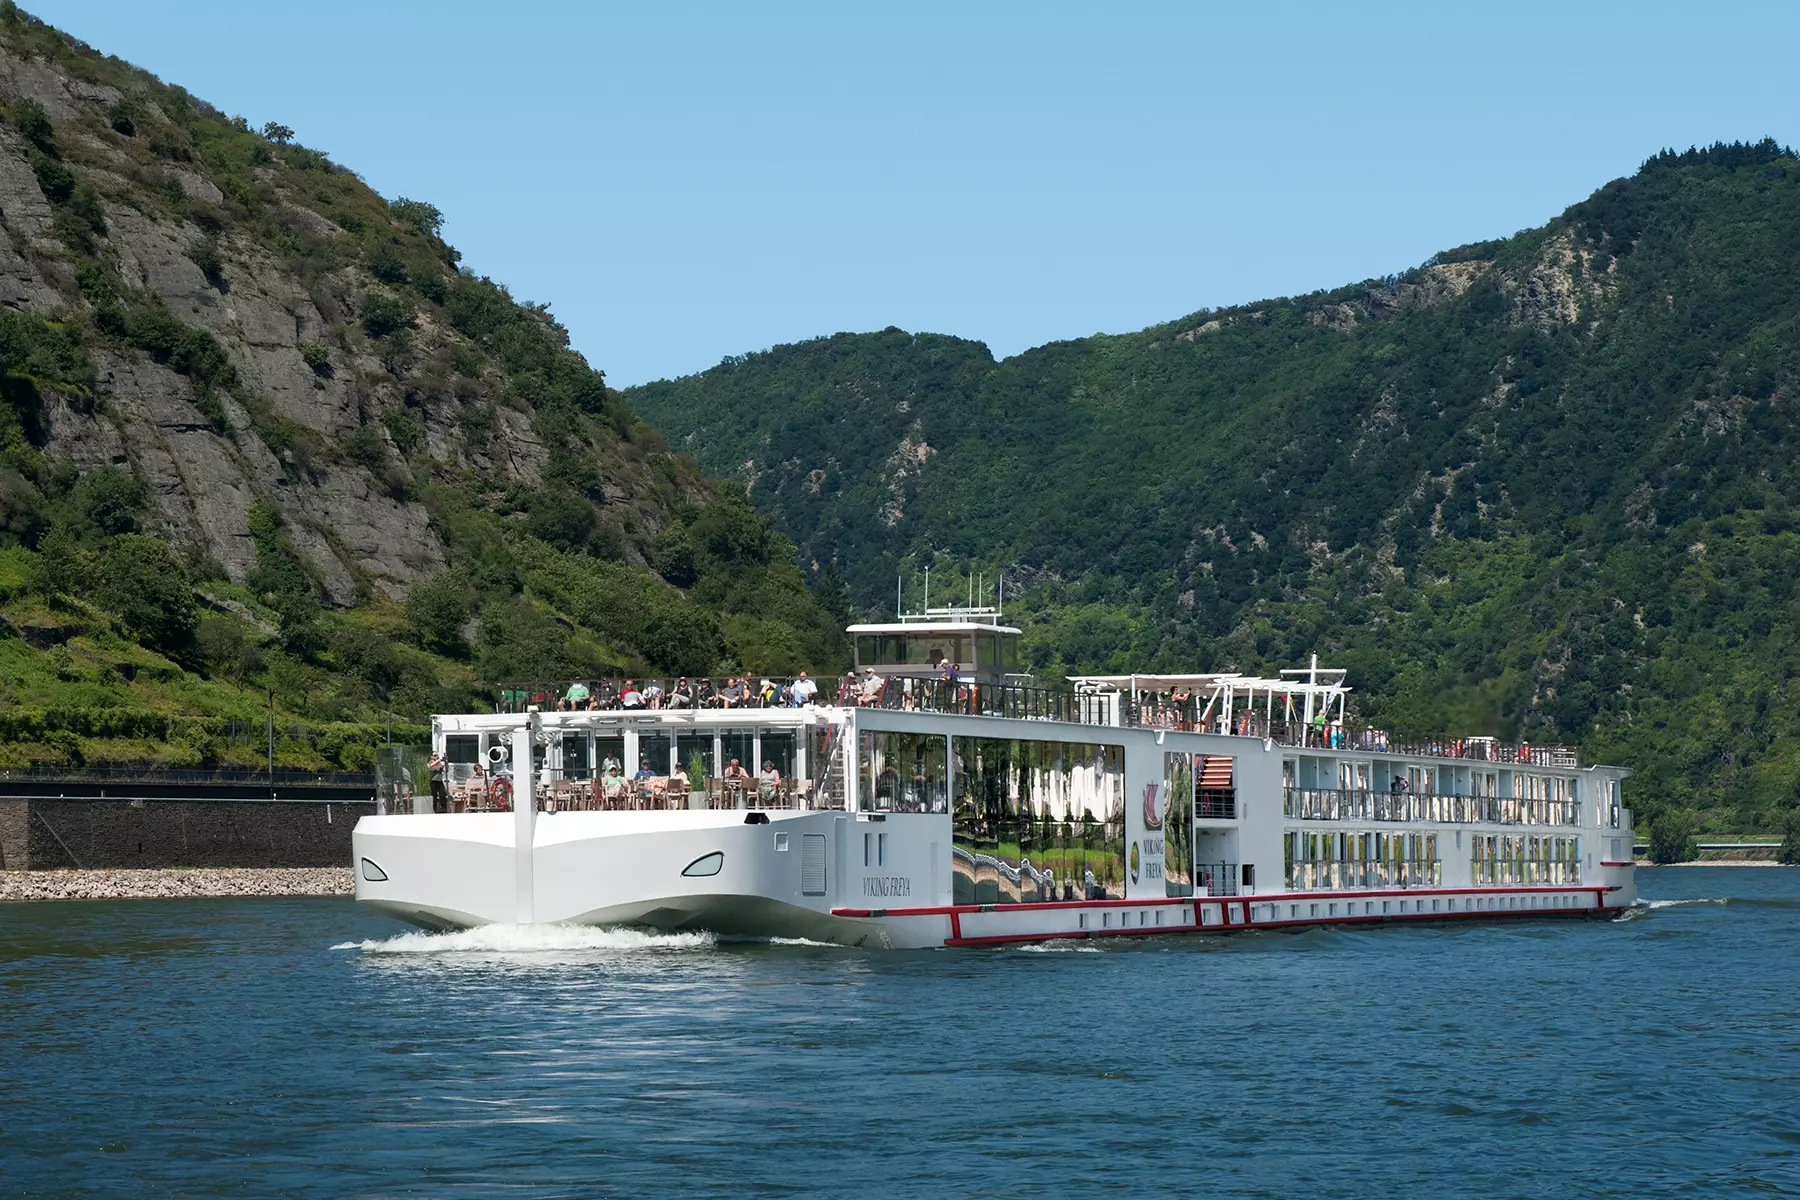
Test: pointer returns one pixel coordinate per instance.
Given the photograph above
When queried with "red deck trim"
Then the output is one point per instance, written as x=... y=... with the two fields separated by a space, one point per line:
x=1608 y=863
x=1376 y=919
x=956 y=909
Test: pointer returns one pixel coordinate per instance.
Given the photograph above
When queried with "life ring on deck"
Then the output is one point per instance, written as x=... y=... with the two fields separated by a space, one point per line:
x=500 y=794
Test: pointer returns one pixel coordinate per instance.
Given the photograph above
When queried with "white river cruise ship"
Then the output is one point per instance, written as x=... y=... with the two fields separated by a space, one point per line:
x=908 y=808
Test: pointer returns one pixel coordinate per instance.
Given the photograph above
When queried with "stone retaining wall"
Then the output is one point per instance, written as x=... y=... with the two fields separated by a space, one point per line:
x=91 y=834
x=171 y=885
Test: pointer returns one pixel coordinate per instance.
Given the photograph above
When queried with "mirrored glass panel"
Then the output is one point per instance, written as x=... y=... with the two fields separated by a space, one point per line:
x=1037 y=821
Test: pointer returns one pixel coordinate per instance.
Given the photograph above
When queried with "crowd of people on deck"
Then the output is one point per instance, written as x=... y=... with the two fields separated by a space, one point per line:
x=863 y=689
x=737 y=691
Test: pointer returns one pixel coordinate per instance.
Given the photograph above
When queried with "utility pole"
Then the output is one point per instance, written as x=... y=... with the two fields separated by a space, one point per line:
x=271 y=743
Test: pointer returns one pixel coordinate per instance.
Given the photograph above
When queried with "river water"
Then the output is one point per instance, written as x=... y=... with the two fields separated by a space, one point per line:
x=305 y=1048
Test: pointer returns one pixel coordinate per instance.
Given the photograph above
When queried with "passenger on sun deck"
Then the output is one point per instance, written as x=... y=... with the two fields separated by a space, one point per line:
x=682 y=696
x=578 y=692
x=803 y=691
x=768 y=782
x=652 y=694
x=629 y=696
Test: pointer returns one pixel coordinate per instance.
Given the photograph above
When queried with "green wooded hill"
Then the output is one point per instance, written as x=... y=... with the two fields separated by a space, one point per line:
x=265 y=443
x=1543 y=486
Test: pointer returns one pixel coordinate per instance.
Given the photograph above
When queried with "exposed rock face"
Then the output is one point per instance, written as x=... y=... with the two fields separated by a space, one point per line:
x=1565 y=277
x=202 y=474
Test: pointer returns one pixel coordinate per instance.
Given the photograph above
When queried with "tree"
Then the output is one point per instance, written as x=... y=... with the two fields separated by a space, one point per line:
x=142 y=581
x=225 y=649
x=1672 y=837
x=109 y=501
x=437 y=608
x=383 y=315
x=368 y=656
x=278 y=133
x=59 y=566
x=1789 y=854
x=423 y=217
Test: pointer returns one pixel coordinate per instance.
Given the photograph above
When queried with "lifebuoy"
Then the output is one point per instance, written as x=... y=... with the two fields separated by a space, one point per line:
x=501 y=794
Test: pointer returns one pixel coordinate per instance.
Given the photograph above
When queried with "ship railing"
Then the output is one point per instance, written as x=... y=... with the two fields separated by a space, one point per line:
x=964 y=697
x=470 y=788
x=1182 y=713
x=1357 y=804
x=1216 y=879
x=1362 y=874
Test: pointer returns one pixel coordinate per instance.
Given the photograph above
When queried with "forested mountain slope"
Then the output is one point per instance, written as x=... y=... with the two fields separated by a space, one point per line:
x=260 y=434
x=1543 y=486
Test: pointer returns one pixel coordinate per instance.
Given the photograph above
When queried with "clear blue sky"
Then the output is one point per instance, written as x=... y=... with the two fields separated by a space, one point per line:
x=686 y=181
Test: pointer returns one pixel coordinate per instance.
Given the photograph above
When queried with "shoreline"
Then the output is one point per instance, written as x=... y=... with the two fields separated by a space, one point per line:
x=175 y=883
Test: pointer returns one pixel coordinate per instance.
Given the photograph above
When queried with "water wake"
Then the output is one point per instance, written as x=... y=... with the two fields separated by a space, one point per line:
x=1655 y=904
x=528 y=939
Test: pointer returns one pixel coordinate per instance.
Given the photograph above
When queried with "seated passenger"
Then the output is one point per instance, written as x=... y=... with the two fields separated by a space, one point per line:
x=735 y=773
x=766 y=693
x=768 y=781
x=733 y=695
x=704 y=695
x=629 y=696
x=577 y=693
x=802 y=692
x=682 y=696
x=652 y=693
x=871 y=686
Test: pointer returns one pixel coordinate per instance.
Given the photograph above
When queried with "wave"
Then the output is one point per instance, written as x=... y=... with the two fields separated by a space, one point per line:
x=1060 y=946
x=528 y=939
x=1655 y=904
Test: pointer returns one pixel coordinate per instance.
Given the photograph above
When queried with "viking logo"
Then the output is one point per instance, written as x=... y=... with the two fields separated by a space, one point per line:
x=1153 y=805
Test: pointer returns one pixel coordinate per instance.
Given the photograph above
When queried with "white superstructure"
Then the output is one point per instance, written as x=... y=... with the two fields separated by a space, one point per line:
x=908 y=810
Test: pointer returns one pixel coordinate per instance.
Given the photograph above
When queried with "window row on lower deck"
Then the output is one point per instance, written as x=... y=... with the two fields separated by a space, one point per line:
x=1416 y=906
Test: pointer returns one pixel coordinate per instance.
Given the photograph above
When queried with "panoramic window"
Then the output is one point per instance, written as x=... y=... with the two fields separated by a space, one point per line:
x=1037 y=821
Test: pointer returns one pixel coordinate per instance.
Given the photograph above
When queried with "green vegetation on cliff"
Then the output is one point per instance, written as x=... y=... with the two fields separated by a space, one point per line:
x=1543 y=486
x=263 y=440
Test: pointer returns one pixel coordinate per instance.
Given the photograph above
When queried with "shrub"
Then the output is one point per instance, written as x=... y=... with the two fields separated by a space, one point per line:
x=30 y=119
x=404 y=428
x=123 y=116
x=562 y=518
x=141 y=580
x=364 y=447
x=109 y=501
x=383 y=315
x=1789 y=853
x=317 y=357
x=1672 y=837
x=205 y=255
x=56 y=179
x=437 y=608
x=422 y=217
x=225 y=648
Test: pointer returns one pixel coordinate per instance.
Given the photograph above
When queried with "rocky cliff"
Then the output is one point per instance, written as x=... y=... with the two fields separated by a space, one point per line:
x=118 y=193
x=247 y=405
